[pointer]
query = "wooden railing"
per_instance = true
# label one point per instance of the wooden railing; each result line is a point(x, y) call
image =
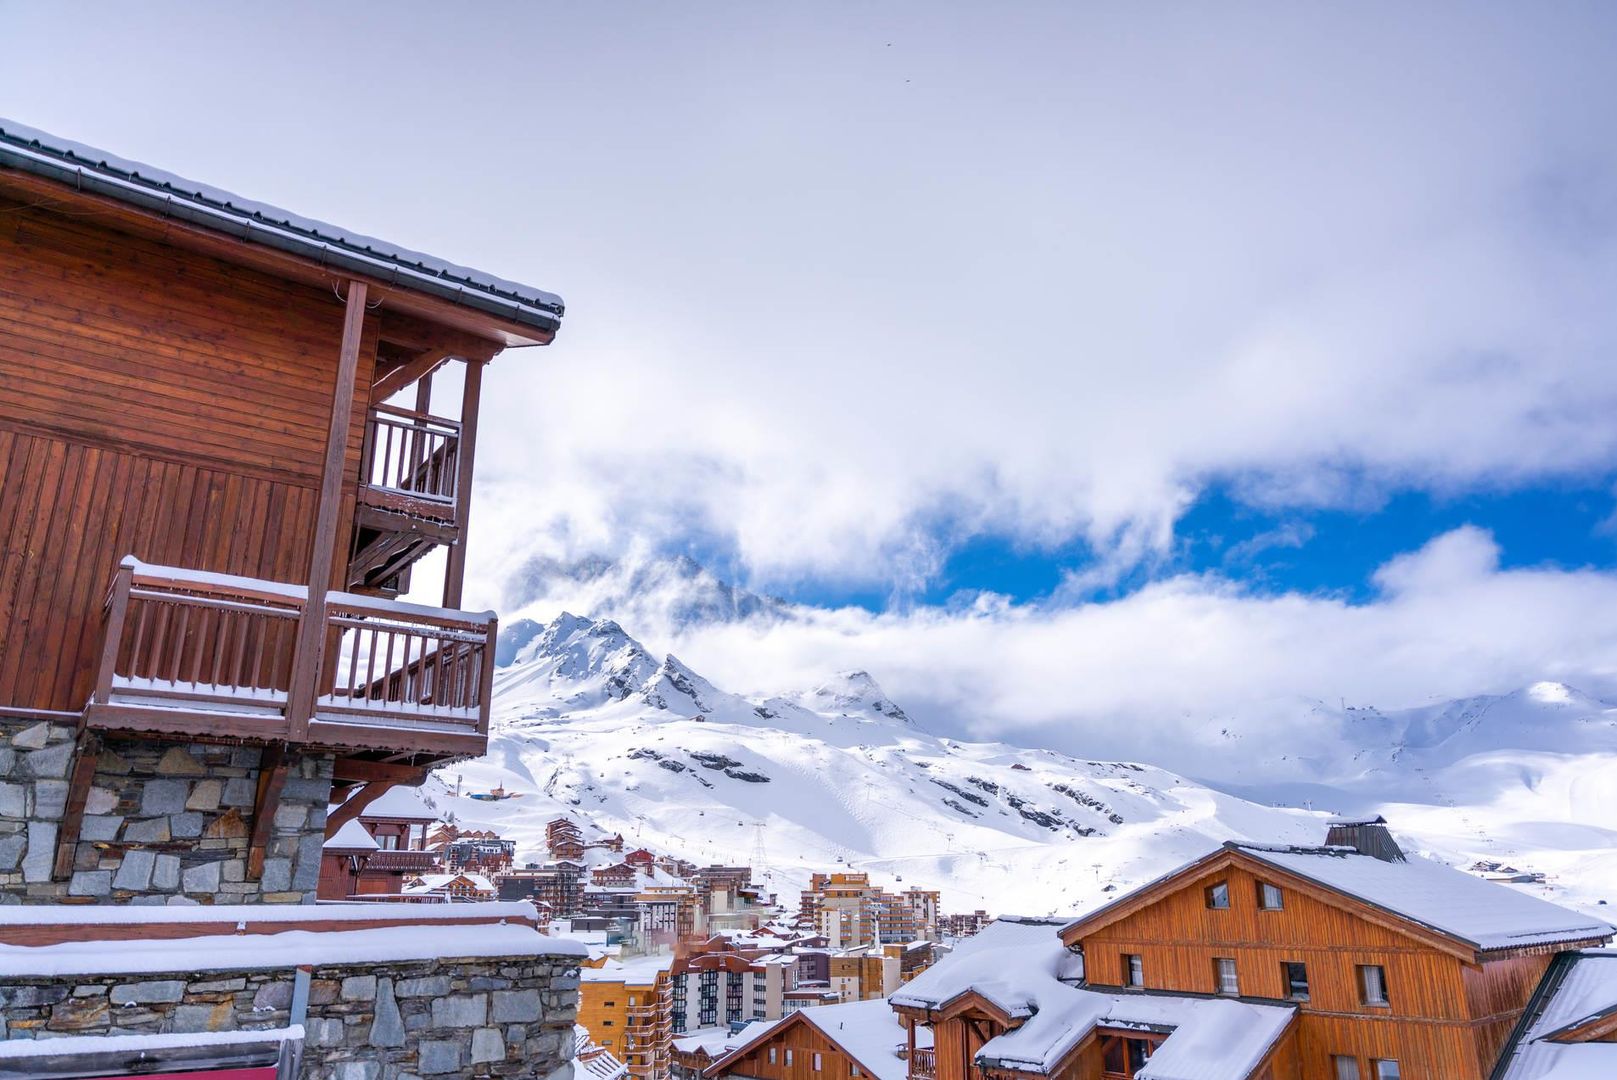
point(410, 664)
point(185, 640)
point(923, 1064)
point(411, 453)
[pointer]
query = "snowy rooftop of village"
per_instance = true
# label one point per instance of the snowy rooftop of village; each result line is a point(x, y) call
point(1022, 967)
point(1462, 905)
point(869, 1031)
point(638, 970)
point(1584, 988)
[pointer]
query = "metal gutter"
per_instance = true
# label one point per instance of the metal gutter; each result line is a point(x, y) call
point(170, 202)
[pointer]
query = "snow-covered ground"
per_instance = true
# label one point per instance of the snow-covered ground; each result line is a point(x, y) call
point(587, 721)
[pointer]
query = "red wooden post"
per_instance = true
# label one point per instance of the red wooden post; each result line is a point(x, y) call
point(309, 654)
point(455, 570)
point(117, 608)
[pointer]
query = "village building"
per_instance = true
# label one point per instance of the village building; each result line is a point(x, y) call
point(1349, 961)
point(1569, 1029)
point(592, 1061)
point(229, 434)
point(850, 1041)
point(627, 1005)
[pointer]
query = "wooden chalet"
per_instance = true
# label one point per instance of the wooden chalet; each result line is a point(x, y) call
point(852, 1041)
point(1343, 962)
point(228, 435)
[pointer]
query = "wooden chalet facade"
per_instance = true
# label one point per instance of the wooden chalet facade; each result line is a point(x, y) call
point(1350, 962)
point(854, 1041)
point(227, 435)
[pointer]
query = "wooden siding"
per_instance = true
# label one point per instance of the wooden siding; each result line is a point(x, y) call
point(804, 1040)
point(152, 402)
point(1445, 1017)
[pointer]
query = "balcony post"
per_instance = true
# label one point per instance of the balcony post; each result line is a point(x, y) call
point(309, 655)
point(455, 569)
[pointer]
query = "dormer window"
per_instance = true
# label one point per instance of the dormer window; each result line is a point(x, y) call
point(1269, 897)
point(1218, 896)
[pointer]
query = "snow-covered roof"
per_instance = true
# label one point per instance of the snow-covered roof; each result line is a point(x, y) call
point(292, 948)
point(434, 882)
point(353, 836)
point(1484, 914)
point(1023, 969)
point(867, 1031)
point(635, 971)
point(139, 1046)
point(1579, 987)
point(89, 169)
point(401, 802)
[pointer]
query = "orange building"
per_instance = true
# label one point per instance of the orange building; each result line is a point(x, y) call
point(628, 1007)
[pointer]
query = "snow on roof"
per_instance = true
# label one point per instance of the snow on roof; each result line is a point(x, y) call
point(139, 1045)
point(635, 971)
point(359, 911)
point(1482, 913)
point(1023, 968)
point(868, 1031)
point(353, 836)
point(433, 882)
point(1581, 986)
point(292, 948)
point(88, 168)
point(399, 801)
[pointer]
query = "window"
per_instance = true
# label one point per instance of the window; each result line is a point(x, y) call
point(1133, 970)
point(816, 1062)
point(853, 1070)
point(1384, 1069)
point(1224, 977)
point(1372, 984)
point(606, 1023)
point(1295, 976)
point(1346, 1068)
point(1269, 898)
point(1139, 1050)
point(772, 1055)
point(788, 1057)
point(1218, 896)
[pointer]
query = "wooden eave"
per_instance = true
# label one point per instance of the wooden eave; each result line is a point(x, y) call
point(1601, 1027)
point(487, 327)
point(1224, 858)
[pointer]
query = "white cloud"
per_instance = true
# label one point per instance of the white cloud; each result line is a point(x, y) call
point(1161, 672)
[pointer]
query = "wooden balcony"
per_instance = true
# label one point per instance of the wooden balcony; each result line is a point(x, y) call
point(923, 1064)
point(410, 497)
point(215, 656)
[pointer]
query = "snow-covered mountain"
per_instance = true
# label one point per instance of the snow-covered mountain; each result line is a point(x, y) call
point(588, 721)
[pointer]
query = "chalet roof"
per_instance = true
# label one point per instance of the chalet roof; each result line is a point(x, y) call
point(867, 1031)
point(400, 803)
point(353, 836)
point(1578, 988)
point(1026, 972)
point(1468, 910)
point(155, 190)
point(1481, 913)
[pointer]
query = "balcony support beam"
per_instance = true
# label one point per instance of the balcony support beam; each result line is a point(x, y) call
point(309, 656)
point(470, 399)
point(272, 769)
point(81, 774)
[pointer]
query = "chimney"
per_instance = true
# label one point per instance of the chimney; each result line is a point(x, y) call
point(1366, 835)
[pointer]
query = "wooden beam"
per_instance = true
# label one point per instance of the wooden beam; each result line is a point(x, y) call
point(307, 658)
point(455, 568)
point(81, 774)
point(417, 367)
point(272, 769)
point(356, 770)
point(355, 805)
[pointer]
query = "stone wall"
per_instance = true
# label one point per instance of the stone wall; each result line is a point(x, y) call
point(449, 1017)
point(165, 822)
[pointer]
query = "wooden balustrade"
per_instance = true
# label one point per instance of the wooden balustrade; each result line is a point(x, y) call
point(213, 653)
point(923, 1064)
point(411, 453)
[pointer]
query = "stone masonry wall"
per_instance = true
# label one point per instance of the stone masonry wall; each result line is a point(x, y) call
point(449, 1018)
point(165, 822)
